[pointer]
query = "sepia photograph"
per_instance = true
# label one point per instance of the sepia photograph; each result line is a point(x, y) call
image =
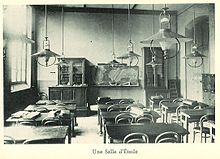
point(115, 78)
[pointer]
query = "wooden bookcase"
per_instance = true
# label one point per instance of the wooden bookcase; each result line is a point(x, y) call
point(73, 82)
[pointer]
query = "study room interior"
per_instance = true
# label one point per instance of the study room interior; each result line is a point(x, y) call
point(109, 73)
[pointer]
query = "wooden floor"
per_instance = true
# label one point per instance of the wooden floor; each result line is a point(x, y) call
point(87, 131)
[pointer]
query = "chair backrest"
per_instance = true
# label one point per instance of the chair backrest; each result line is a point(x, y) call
point(136, 138)
point(163, 101)
point(126, 101)
point(201, 106)
point(27, 123)
point(180, 107)
point(145, 119)
point(41, 109)
point(168, 137)
point(205, 118)
point(39, 141)
point(9, 140)
point(177, 100)
point(124, 118)
point(50, 121)
point(139, 105)
point(43, 96)
point(114, 107)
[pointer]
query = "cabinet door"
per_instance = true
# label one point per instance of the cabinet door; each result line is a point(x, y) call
point(67, 94)
point(80, 97)
point(54, 94)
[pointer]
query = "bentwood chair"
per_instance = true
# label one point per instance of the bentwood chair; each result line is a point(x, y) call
point(50, 121)
point(40, 141)
point(114, 107)
point(124, 118)
point(202, 129)
point(175, 118)
point(9, 140)
point(168, 137)
point(27, 123)
point(145, 118)
point(136, 138)
point(41, 109)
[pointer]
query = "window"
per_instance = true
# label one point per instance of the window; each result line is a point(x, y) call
point(17, 35)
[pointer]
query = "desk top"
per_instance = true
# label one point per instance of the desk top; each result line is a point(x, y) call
point(22, 133)
point(38, 118)
point(197, 113)
point(119, 131)
point(170, 105)
point(50, 107)
point(103, 107)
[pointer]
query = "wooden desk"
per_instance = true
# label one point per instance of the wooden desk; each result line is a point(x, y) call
point(22, 133)
point(110, 117)
point(103, 108)
point(119, 131)
point(38, 121)
point(193, 115)
point(67, 104)
point(168, 107)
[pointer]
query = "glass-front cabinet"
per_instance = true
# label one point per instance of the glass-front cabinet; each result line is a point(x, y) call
point(73, 73)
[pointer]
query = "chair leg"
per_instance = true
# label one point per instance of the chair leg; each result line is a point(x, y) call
point(201, 137)
point(194, 135)
point(205, 137)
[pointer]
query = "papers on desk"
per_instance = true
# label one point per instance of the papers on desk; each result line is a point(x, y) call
point(45, 102)
point(31, 115)
point(19, 114)
point(25, 115)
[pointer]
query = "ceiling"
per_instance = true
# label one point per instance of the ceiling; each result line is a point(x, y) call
point(172, 7)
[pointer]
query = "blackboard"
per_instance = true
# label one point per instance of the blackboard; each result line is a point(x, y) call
point(106, 75)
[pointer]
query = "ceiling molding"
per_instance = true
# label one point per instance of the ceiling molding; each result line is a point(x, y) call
point(56, 8)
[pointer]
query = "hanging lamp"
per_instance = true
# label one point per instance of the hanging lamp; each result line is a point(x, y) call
point(46, 53)
point(131, 55)
point(114, 62)
point(165, 37)
point(62, 62)
point(195, 56)
point(153, 62)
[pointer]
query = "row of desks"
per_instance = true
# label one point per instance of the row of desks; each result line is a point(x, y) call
point(186, 116)
point(119, 131)
point(68, 119)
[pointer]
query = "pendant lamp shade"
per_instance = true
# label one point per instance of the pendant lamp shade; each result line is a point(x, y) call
point(62, 62)
point(165, 37)
point(46, 52)
point(131, 55)
point(196, 57)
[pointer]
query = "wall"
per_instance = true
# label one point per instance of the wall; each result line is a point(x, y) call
point(191, 86)
point(89, 35)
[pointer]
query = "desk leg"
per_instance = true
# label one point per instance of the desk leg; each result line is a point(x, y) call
point(185, 124)
point(101, 123)
point(69, 134)
point(104, 136)
point(72, 124)
point(98, 113)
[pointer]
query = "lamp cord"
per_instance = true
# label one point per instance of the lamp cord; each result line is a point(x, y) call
point(194, 25)
point(129, 25)
point(46, 21)
point(113, 37)
point(153, 19)
point(62, 31)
